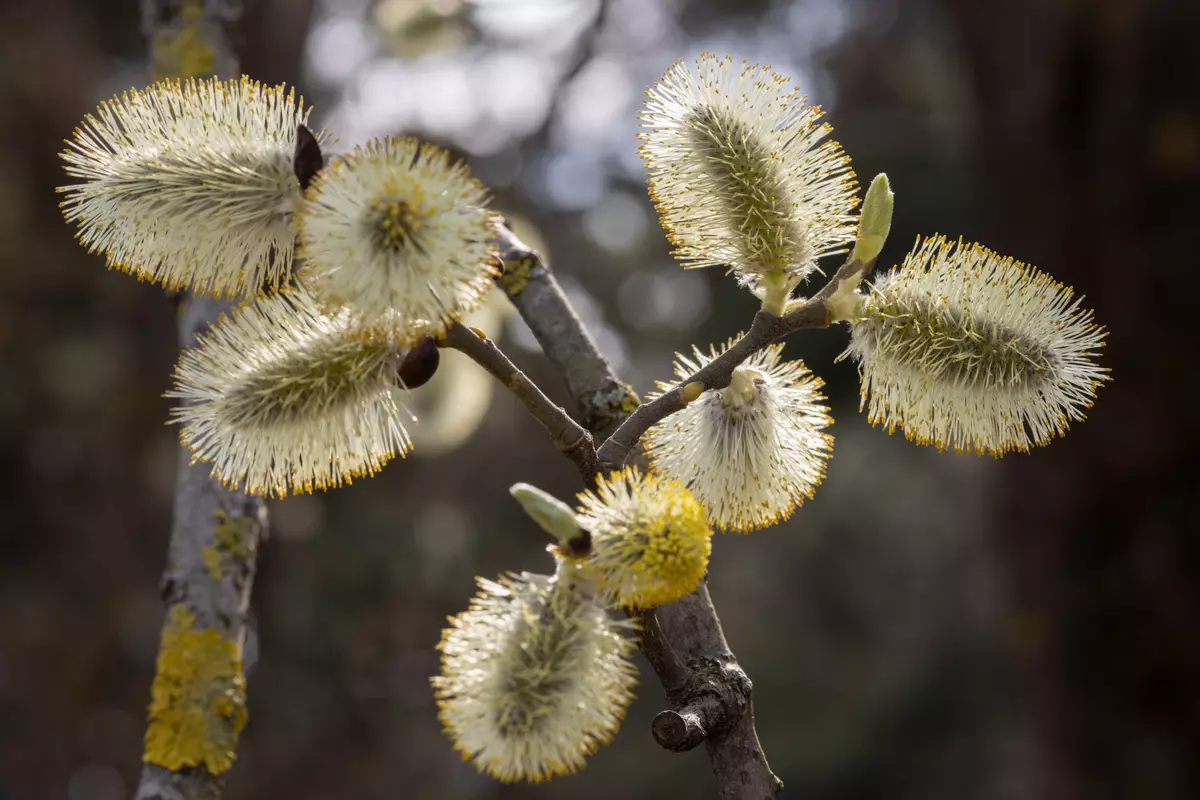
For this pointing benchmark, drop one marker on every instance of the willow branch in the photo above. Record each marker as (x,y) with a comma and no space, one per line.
(683,641)
(198,699)
(568,435)
(766,329)
(600,398)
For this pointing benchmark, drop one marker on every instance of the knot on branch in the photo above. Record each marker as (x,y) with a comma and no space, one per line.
(707,709)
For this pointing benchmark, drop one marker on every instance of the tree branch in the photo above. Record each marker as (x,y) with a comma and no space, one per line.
(571,439)
(766,329)
(709,692)
(600,398)
(198,698)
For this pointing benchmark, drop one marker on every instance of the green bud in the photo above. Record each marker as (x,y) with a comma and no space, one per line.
(555,516)
(875,220)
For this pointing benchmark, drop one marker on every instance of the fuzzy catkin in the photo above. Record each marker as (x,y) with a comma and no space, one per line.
(535,675)
(190,184)
(742,173)
(753,452)
(398,231)
(283,398)
(650,538)
(963,348)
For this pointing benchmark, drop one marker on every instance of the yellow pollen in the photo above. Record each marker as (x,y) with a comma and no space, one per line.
(397,223)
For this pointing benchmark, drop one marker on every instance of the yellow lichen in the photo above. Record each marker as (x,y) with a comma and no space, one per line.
(235,535)
(516,274)
(212,562)
(233,538)
(198,700)
(629,400)
(182,50)
(616,403)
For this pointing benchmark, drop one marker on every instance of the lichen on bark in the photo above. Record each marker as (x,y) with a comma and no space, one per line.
(198,700)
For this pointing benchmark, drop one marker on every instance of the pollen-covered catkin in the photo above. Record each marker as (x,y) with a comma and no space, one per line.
(398,231)
(742,173)
(650,538)
(190,184)
(281,397)
(963,348)
(535,674)
(752,452)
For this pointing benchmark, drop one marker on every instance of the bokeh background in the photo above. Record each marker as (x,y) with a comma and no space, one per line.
(929,626)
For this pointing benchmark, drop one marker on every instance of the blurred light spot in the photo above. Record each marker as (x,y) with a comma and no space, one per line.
(635,24)
(601,94)
(384,101)
(96,782)
(520,333)
(818,23)
(484,140)
(618,223)
(396,15)
(445,105)
(337,46)
(571,180)
(581,299)
(488,317)
(450,407)
(673,298)
(547,22)
(612,345)
(514,90)
(298,518)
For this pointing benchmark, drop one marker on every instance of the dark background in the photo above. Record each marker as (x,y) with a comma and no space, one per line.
(929,626)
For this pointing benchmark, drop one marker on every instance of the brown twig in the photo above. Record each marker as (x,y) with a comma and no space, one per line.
(600,398)
(766,329)
(568,435)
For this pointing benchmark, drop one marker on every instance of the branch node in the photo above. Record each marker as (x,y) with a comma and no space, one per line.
(677,732)
(687,728)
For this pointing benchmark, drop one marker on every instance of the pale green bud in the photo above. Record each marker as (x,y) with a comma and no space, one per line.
(555,516)
(875,220)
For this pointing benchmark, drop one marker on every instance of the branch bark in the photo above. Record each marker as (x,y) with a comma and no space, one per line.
(571,439)
(683,641)
(198,698)
(766,329)
(601,399)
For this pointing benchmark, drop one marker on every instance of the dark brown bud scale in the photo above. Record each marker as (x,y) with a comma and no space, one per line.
(420,363)
(308,160)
